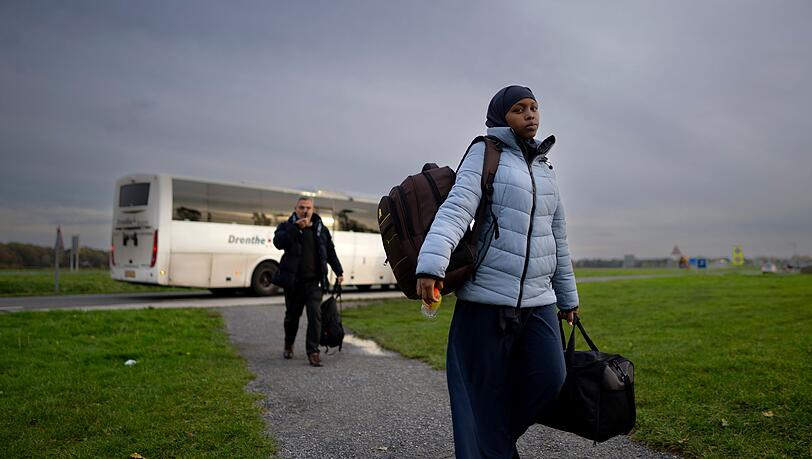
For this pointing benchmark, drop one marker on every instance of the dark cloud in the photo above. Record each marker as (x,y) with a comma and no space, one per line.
(677,122)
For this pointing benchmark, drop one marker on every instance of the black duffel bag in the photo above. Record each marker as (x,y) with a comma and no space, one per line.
(332,330)
(597,399)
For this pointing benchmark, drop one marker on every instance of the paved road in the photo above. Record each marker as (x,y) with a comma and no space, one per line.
(369,403)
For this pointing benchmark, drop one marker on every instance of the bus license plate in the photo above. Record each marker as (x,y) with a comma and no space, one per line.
(129,274)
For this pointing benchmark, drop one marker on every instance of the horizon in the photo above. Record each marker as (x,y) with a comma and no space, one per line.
(65,236)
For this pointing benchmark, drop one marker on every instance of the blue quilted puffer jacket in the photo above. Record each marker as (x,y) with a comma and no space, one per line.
(527,261)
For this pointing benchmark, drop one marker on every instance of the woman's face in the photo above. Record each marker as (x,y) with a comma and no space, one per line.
(523,117)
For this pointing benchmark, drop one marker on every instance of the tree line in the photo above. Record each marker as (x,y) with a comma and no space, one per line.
(16,255)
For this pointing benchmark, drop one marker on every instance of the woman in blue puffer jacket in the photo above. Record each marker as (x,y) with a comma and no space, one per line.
(504,360)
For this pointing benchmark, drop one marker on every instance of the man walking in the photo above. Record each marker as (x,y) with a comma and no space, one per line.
(302,273)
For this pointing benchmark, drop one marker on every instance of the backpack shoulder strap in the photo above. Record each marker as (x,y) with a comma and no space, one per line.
(481,138)
(493,152)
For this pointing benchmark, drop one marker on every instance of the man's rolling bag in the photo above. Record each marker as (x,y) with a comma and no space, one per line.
(597,399)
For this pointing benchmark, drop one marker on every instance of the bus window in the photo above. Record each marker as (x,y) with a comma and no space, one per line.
(324,207)
(232,204)
(356,216)
(133,194)
(189,201)
(277,206)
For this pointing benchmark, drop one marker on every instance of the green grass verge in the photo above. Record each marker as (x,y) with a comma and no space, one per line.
(36,282)
(65,391)
(41,282)
(723,362)
(601,272)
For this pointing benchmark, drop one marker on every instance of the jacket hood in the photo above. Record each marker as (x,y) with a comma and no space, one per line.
(506,135)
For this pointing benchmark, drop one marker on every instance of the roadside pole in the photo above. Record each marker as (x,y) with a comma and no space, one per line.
(74,253)
(59,246)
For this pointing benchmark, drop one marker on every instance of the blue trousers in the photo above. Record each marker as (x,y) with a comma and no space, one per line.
(504,366)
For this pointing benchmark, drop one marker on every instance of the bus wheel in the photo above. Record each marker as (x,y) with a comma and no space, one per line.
(261,280)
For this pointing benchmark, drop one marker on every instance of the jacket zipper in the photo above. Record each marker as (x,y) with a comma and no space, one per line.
(529,234)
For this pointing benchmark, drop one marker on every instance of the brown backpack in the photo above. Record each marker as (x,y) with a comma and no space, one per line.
(406,213)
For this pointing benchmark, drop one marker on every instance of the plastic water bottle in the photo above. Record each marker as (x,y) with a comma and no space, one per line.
(429,310)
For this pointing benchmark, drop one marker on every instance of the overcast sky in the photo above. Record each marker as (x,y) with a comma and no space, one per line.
(677,122)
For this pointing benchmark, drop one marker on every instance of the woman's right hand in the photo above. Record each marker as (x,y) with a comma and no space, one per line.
(425,289)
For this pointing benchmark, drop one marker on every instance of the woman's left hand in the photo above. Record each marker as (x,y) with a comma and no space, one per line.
(569,315)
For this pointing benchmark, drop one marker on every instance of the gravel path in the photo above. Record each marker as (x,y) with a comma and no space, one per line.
(368,404)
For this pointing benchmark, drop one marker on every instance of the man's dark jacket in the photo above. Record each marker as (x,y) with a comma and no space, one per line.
(288,237)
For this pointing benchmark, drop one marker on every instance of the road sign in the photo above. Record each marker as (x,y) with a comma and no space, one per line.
(701,263)
(74,253)
(59,246)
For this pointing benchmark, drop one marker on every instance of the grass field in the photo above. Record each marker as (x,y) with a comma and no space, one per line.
(723,362)
(41,282)
(32,282)
(601,272)
(65,391)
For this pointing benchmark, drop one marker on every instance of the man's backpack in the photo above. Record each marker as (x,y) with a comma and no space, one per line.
(405,216)
(597,399)
(332,331)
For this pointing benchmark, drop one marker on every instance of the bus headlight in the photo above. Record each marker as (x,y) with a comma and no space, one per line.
(163,273)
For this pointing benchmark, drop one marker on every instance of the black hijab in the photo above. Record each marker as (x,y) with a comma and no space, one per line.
(502,101)
(498,108)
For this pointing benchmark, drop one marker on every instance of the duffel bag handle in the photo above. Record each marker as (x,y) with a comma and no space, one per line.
(337,293)
(569,347)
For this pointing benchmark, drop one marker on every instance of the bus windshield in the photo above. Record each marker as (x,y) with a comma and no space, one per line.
(133,194)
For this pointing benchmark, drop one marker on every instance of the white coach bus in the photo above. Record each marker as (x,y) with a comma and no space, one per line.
(186,232)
